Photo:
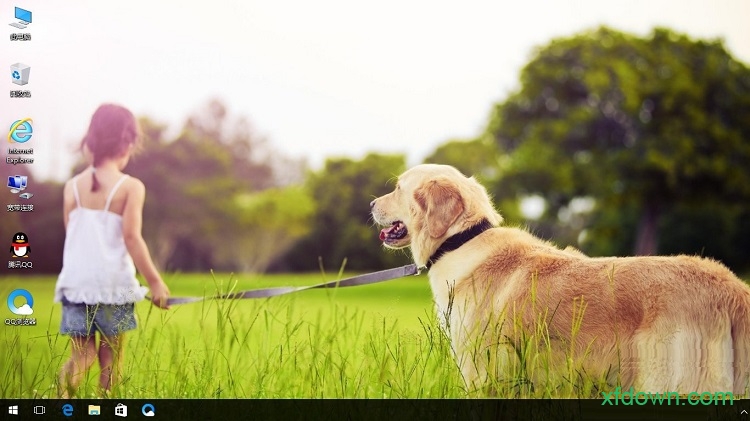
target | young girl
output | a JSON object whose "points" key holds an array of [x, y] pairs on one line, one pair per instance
{"points": [[102, 211]]}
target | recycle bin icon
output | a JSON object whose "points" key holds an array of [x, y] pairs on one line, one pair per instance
{"points": [[19, 73]]}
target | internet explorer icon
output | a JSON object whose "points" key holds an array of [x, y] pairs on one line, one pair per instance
{"points": [[20, 131]]}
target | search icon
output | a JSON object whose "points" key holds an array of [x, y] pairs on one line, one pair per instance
{"points": [[148, 410]]}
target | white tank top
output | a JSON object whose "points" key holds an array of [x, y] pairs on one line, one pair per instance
{"points": [[97, 268]]}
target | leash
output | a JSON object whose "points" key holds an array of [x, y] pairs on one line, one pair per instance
{"points": [[369, 278]]}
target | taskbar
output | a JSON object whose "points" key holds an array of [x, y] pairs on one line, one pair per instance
{"points": [[363, 409]]}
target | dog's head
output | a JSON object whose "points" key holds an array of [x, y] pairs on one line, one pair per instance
{"points": [[429, 204]]}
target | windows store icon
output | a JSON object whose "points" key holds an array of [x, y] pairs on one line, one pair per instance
{"points": [[121, 410]]}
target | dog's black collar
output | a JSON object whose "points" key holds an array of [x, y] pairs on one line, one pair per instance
{"points": [[457, 240]]}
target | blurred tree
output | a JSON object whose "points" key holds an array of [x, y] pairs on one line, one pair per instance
{"points": [[638, 124], [342, 226], [478, 157], [248, 152], [200, 208], [270, 222], [190, 186]]}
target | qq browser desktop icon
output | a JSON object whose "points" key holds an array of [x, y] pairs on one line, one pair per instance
{"points": [[148, 410], [26, 309]]}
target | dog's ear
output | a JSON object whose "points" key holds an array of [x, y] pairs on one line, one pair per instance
{"points": [[442, 204]]}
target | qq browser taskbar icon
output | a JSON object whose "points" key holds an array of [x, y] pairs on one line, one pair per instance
{"points": [[148, 410], [25, 309]]}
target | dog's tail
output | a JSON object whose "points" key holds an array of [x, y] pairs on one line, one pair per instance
{"points": [[741, 342]]}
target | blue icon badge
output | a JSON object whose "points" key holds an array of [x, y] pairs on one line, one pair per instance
{"points": [[24, 310], [20, 131], [67, 410], [148, 410]]}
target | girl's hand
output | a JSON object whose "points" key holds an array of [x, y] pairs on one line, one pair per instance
{"points": [[159, 295]]}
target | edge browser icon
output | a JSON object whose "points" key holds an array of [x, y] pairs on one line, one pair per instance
{"points": [[67, 410]]}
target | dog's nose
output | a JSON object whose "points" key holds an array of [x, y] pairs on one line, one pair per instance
{"points": [[372, 204]]}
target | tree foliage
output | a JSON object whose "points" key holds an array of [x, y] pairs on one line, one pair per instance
{"points": [[268, 224], [203, 195], [637, 123], [478, 157], [342, 227], [206, 190]]}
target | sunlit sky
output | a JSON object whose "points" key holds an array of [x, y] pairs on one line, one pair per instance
{"points": [[317, 79]]}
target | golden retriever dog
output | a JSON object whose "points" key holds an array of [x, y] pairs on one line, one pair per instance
{"points": [[657, 324]]}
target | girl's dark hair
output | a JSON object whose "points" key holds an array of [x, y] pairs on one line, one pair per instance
{"points": [[112, 131]]}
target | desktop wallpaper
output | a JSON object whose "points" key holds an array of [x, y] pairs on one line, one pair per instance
{"points": [[267, 128]]}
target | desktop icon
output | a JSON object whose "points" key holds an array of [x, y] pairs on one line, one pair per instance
{"points": [[121, 410], [26, 309], [19, 73], [20, 131], [148, 410], [16, 183], [24, 18], [67, 410], [94, 409], [39, 410], [19, 245], [13, 410]]}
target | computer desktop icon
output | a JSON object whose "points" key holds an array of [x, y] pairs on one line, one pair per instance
{"points": [[24, 18]]}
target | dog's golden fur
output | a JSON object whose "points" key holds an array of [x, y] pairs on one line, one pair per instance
{"points": [[658, 324]]}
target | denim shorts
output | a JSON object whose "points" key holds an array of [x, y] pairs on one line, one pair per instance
{"points": [[79, 319]]}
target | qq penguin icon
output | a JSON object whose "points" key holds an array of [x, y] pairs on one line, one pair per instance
{"points": [[20, 245]]}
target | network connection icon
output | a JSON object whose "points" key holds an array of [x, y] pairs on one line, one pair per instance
{"points": [[19, 73], [17, 183]]}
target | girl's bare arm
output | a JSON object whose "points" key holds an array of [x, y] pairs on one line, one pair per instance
{"points": [[132, 222]]}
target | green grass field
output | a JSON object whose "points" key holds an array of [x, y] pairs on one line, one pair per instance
{"points": [[376, 341], [369, 341]]}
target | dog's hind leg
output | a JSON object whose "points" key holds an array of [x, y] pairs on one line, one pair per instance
{"points": [[741, 348], [684, 358], [650, 362]]}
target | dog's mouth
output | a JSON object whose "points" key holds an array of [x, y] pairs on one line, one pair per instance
{"points": [[393, 234]]}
